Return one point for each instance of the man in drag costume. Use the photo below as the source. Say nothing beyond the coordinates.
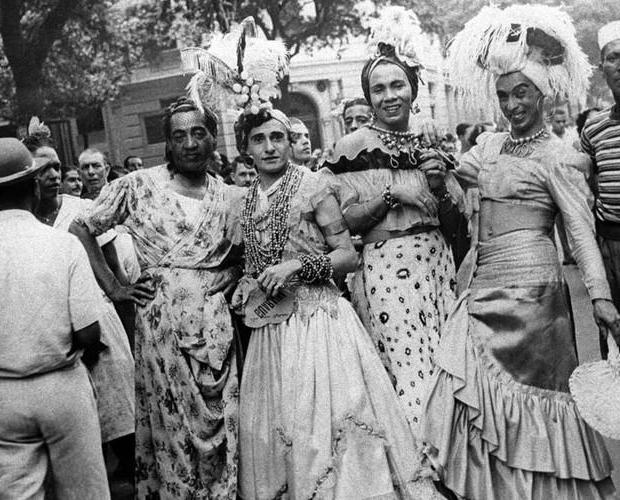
(396, 193)
(499, 413)
(186, 380)
(318, 415)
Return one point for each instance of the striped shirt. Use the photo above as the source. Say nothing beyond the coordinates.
(600, 139)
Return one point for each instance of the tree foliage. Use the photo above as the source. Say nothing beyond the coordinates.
(62, 57)
(66, 57)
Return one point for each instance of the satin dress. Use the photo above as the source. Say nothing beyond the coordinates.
(499, 412)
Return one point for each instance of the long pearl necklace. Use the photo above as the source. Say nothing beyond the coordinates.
(524, 146)
(399, 142)
(259, 256)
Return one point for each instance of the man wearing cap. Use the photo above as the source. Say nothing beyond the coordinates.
(600, 139)
(49, 314)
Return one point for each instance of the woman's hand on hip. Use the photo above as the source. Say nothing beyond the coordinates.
(139, 293)
(274, 278)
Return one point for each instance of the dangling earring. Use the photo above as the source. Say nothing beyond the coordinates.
(415, 109)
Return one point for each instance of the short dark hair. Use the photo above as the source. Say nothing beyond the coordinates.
(240, 160)
(185, 105)
(130, 157)
(461, 128)
(64, 171)
(358, 101)
(247, 122)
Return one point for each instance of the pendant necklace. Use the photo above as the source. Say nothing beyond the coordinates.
(524, 146)
(399, 142)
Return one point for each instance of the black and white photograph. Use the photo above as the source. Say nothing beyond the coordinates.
(309, 249)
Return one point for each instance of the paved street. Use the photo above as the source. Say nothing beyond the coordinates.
(587, 342)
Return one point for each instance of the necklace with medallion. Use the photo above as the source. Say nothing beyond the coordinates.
(407, 143)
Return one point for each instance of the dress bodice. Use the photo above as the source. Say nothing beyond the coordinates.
(549, 180)
(364, 166)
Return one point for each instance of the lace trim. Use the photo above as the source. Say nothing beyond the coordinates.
(338, 449)
(283, 437)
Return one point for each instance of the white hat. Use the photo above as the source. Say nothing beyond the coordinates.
(608, 33)
(595, 387)
(537, 40)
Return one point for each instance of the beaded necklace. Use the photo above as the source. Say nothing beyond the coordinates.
(399, 142)
(259, 256)
(524, 146)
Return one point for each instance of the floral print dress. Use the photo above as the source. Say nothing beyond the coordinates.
(186, 379)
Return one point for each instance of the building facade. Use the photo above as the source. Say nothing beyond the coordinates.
(318, 83)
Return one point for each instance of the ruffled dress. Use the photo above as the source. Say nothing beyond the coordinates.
(499, 412)
(404, 286)
(318, 415)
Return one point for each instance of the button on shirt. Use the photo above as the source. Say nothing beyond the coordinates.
(48, 291)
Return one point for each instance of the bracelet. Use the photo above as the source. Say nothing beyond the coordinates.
(315, 268)
(388, 198)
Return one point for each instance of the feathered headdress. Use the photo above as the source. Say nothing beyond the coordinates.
(396, 30)
(37, 127)
(537, 40)
(237, 71)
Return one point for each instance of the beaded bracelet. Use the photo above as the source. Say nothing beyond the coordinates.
(442, 194)
(388, 198)
(315, 268)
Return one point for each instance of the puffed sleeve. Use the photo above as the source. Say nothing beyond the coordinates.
(569, 190)
(235, 203)
(326, 185)
(112, 207)
(471, 162)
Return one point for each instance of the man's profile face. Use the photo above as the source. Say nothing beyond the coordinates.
(190, 143)
(94, 171)
(301, 147)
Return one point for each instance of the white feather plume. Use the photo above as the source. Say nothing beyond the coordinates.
(400, 28)
(218, 82)
(481, 52)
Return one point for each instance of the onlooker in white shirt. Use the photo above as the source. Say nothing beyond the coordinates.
(49, 314)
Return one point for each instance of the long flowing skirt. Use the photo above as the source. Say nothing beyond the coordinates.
(403, 294)
(186, 410)
(319, 418)
(499, 413)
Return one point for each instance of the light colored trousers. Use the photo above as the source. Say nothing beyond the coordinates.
(50, 421)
